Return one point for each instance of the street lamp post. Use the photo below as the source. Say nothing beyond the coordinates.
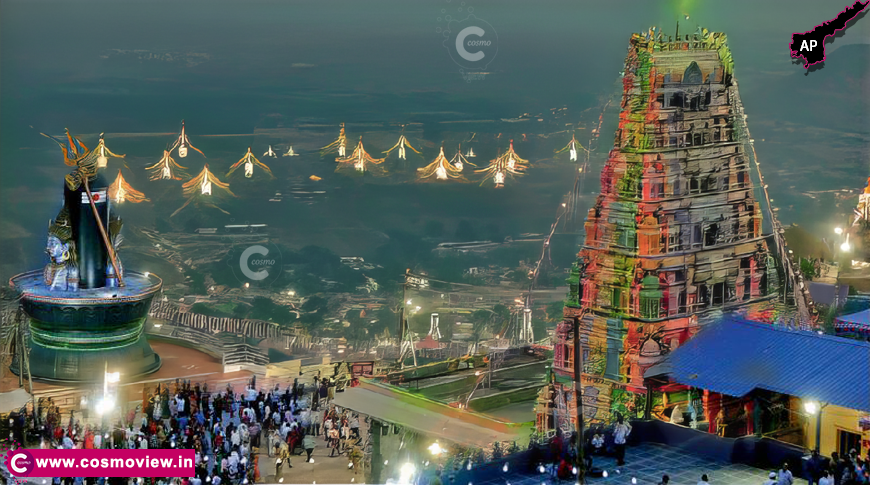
(814, 408)
(376, 464)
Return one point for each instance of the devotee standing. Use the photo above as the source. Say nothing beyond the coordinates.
(784, 477)
(620, 433)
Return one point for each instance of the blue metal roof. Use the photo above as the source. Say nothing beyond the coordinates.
(735, 356)
(859, 318)
(856, 323)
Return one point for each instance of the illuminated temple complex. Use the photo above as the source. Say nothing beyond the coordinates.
(674, 239)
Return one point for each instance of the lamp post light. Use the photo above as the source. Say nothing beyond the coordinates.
(107, 403)
(846, 247)
(813, 408)
(843, 235)
(435, 449)
(406, 473)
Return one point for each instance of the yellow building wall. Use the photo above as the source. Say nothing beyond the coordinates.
(834, 420)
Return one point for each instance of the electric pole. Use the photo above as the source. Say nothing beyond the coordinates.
(578, 396)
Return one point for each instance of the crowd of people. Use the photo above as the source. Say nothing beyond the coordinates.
(228, 430)
(558, 460)
(850, 469)
(232, 431)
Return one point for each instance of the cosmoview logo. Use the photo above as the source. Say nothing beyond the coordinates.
(461, 43)
(260, 263)
(245, 263)
(20, 463)
(472, 42)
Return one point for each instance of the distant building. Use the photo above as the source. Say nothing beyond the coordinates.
(357, 263)
(371, 285)
(417, 282)
(469, 246)
(244, 228)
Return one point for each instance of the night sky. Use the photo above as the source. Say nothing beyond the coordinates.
(232, 68)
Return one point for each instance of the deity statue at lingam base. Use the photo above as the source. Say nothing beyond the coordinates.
(61, 272)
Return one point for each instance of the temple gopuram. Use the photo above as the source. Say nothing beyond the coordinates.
(860, 226)
(673, 241)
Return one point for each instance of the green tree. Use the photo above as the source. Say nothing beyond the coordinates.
(312, 321)
(207, 309)
(446, 330)
(314, 304)
(403, 250)
(305, 283)
(807, 268)
(481, 321)
(493, 233)
(385, 318)
(319, 256)
(500, 315)
(193, 223)
(419, 323)
(241, 310)
(555, 311)
(434, 228)
(283, 315)
(261, 308)
(358, 329)
(465, 231)
(539, 328)
(197, 281)
(518, 276)
(162, 225)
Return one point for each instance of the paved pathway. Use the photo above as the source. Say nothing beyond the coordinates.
(647, 463)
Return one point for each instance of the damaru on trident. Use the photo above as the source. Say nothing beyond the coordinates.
(86, 312)
(674, 239)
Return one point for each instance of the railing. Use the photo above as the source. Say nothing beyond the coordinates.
(243, 353)
(247, 327)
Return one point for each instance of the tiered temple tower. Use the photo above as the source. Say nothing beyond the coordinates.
(674, 238)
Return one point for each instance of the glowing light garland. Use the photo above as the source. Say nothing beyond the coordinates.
(572, 148)
(459, 161)
(249, 161)
(182, 142)
(120, 191)
(103, 153)
(338, 146)
(440, 170)
(200, 190)
(401, 145)
(507, 164)
(167, 169)
(360, 161)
